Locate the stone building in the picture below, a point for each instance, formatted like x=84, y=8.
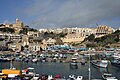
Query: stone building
x=18, y=25
x=102, y=30
x=73, y=38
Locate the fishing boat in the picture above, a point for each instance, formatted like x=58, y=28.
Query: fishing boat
x=100, y=63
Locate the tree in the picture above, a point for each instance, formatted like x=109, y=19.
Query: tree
x=7, y=30
x=91, y=37
x=24, y=31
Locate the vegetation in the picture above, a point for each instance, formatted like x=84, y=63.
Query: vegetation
x=91, y=38
x=31, y=29
x=25, y=30
x=53, y=35
x=8, y=30
x=75, y=44
x=109, y=39
x=103, y=41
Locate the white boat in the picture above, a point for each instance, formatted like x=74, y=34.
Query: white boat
x=79, y=78
x=116, y=55
x=73, y=77
x=50, y=77
x=35, y=60
x=36, y=77
x=74, y=62
x=100, y=63
x=107, y=76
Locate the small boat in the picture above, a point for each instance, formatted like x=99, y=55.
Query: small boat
x=26, y=60
x=73, y=62
x=34, y=60
x=100, y=63
x=27, y=77
x=36, y=77
x=4, y=59
x=116, y=62
x=73, y=77
x=43, y=77
x=79, y=78
x=50, y=77
x=83, y=62
x=107, y=76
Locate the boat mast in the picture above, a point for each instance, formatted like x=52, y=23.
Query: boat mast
x=11, y=66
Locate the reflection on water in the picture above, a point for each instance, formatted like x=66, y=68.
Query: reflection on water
x=104, y=70
x=73, y=67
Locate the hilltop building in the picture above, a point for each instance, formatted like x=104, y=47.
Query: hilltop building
x=18, y=25
x=103, y=30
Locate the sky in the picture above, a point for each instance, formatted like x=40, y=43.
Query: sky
x=61, y=13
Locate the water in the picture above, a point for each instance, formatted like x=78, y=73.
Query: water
x=64, y=69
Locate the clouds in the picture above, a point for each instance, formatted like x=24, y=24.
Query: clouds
x=54, y=13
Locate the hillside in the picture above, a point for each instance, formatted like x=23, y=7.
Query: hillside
x=107, y=40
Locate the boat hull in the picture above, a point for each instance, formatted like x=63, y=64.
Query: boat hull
x=100, y=64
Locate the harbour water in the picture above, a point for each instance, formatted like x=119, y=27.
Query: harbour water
x=64, y=69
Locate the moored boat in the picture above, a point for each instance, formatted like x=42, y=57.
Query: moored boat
x=100, y=63
x=73, y=77
x=50, y=77
x=83, y=62
x=108, y=76
x=34, y=60
x=116, y=62
x=73, y=62
x=4, y=59
x=79, y=78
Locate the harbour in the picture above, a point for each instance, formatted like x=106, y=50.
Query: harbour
x=64, y=69
x=49, y=66
x=59, y=40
